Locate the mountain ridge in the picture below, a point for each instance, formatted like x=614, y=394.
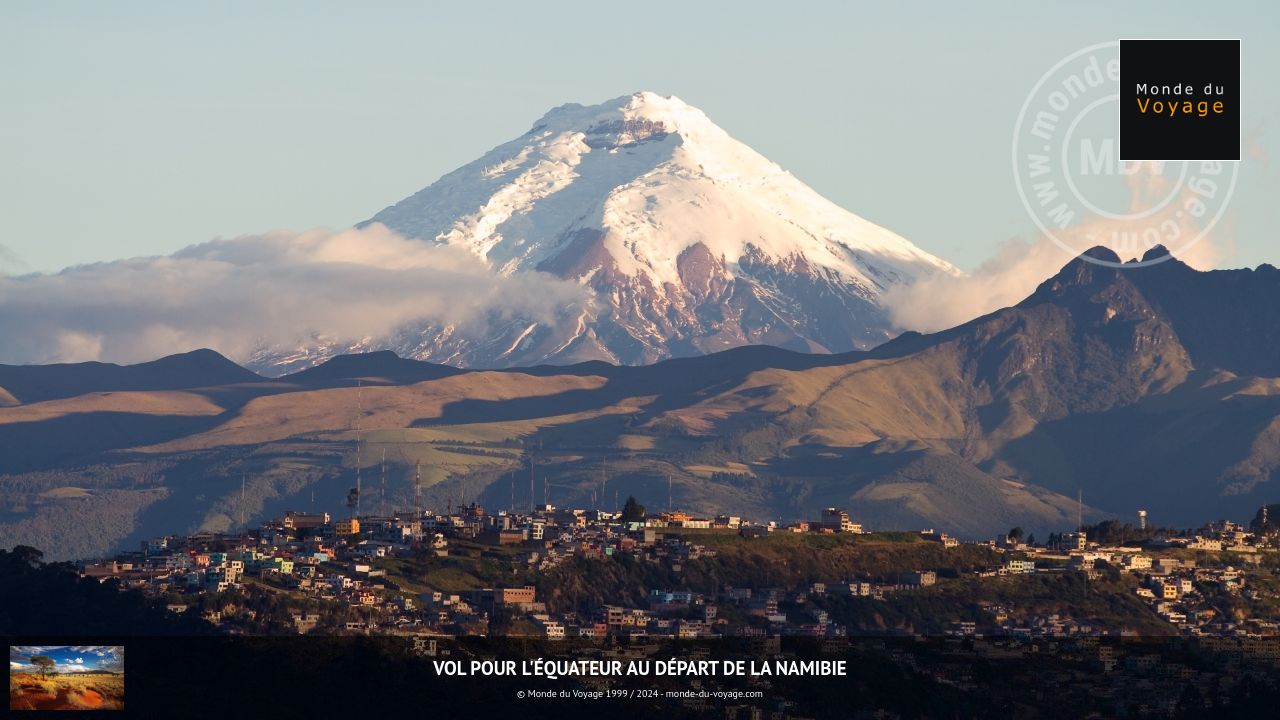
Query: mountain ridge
x=196, y=368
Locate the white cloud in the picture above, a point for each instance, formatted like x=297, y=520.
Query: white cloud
x=944, y=301
x=33, y=649
x=277, y=289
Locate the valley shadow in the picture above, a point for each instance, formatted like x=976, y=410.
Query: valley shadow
x=194, y=491
x=191, y=492
x=838, y=462
x=381, y=367
x=72, y=439
x=232, y=398
x=1156, y=455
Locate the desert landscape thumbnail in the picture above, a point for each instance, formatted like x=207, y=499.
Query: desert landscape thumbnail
x=66, y=677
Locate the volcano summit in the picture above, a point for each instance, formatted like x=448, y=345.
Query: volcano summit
x=686, y=242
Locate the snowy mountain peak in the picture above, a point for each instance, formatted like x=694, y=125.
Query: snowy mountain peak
x=652, y=176
x=686, y=240
x=631, y=118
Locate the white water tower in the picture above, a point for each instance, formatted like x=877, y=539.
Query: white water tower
x=1142, y=519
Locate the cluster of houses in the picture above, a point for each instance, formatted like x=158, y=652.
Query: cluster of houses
x=337, y=560
x=1179, y=592
x=1176, y=588
x=340, y=561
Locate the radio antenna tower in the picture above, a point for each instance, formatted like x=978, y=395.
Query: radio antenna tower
x=1079, y=510
x=357, y=507
x=382, y=500
x=359, y=412
x=417, y=489
x=242, y=474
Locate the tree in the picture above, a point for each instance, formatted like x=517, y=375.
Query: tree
x=44, y=662
x=27, y=555
x=632, y=511
x=1031, y=539
x=1266, y=520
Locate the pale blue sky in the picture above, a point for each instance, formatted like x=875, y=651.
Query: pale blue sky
x=134, y=128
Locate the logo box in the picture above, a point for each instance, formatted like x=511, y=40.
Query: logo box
x=1179, y=99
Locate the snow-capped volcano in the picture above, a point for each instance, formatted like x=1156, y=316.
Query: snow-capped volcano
x=687, y=240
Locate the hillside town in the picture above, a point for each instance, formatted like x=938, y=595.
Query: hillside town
x=348, y=575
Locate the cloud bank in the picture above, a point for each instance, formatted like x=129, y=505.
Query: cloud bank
x=280, y=289
x=944, y=301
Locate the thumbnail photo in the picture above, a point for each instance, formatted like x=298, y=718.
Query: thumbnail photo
x=66, y=677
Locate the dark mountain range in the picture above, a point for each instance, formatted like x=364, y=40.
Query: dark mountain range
x=1155, y=388
x=199, y=368
x=379, y=367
